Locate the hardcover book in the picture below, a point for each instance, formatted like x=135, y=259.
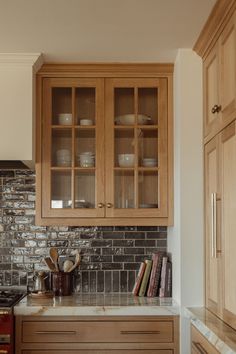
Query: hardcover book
x=151, y=290
x=156, y=274
x=145, y=279
x=163, y=277
x=166, y=290
x=138, y=281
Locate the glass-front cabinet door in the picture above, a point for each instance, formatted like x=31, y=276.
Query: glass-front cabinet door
x=136, y=148
x=73, y=148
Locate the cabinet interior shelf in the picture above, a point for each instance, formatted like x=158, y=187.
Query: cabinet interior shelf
x=144, y=127
x=82, y=127
x=73, y=168
x=139, y=169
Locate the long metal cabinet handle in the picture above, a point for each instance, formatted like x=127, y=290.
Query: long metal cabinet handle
x=140, y=332
x=55, y=332
x=199, y=348
x=213, y=225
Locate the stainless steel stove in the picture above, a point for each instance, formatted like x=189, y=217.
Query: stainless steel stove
x=8, y=298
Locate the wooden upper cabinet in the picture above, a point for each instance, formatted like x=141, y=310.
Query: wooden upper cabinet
x=104, y=146
x=219, y=76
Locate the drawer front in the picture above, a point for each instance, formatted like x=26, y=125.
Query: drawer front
x=200, y=345
x=96, y=331
x=108, y=351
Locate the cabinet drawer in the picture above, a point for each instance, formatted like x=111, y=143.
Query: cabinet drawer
x=108, y=351
x=96, y=331
x=200, y=345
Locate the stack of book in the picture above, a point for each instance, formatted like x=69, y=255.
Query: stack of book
x=154, y=277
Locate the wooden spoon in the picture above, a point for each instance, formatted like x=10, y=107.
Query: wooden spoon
x=54, y=257
x=67, y=265
x=77, y=262
x=50, y=264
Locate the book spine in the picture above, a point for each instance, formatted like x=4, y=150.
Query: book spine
x=163, y=276
x=146, y=276
x=168, y=280
x=153, y=274
x=139, y=278
x=158, y=274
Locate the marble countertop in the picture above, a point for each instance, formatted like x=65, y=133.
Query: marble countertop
x=97, y=304
x=219, y=334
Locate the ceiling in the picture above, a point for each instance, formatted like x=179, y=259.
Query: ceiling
x=102, y=30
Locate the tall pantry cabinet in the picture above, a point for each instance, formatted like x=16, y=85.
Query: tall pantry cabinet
x=217, y=46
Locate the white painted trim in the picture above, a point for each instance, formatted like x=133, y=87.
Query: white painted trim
x=21, y=59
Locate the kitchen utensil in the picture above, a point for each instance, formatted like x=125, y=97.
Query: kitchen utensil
x=50, y=264
x=77, y=262
x=62, y=283
x=67, y=265
x=126, y=160
x=54, y=257
x=39, y=281
x=129, y=119
x=65, y=118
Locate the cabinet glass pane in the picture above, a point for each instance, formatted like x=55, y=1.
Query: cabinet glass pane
x=148, y=147
x=61, y=106
x=148, y=189
x=148, y=103
x=61, y=147
x=124, y=189
x=85, y=189
x=61, y=189
x=124, y=148
x=85, y=106
x=85, y=148
x=124, y=106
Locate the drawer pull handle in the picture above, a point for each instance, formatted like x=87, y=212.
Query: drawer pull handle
x=140, y=332
x=55, y=332
x=199, y=347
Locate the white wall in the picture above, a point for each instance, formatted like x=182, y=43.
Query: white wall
x=185, y=239
x=17, y=90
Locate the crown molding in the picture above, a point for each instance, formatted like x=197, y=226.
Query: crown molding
x=216, y=21
x=34, y=60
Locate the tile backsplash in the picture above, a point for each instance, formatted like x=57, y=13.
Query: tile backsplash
x=110, y=255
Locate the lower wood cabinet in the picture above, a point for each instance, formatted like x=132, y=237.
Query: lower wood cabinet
x=106, y=351
x=103, y=335
x=200, y=344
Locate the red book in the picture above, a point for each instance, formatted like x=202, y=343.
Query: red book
x=138, y=281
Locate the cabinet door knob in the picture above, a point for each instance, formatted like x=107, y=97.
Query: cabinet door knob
x=215, y=109
x=100, y=205
x=109, y=205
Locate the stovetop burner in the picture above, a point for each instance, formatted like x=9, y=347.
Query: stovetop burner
x=8, y=298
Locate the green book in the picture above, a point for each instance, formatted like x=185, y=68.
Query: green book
x=146, y=276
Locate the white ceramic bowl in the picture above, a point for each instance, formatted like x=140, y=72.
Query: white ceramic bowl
x=86, y=122
x=129, y=119
x=148, y=205
x=63, y=157
x=87, y=159
x=65, y=118
x=126, y=160
x=149, y=162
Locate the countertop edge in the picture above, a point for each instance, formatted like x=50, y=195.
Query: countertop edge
x=208, y=333
x=75, y=306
